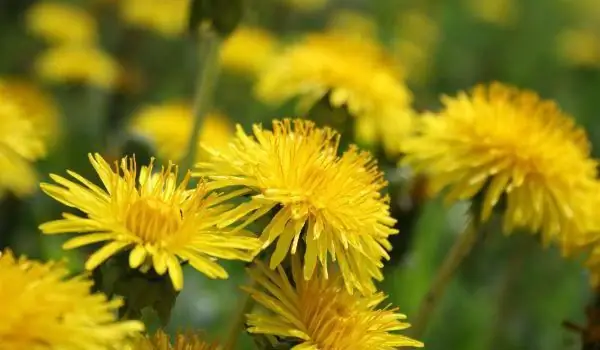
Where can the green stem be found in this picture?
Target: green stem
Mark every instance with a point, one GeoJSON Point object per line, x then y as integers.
{"type": "Point", "coordinates": [459, 251]}
{"type": "Point", "coordinates": [208, 75]}
{"type": "Point", "coordinates": [239, 323]}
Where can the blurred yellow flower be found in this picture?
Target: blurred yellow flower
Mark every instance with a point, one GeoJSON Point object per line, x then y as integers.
{"type": "Point", "coordinates": [78, 64]}
{"type": "Point", "coordinates": [61, 23]}
{"type": "Point", "coordinates": [168, 18]}
{"type": "Point", "coordinates": [20, 145]}
{"type": "Point", "coordinates": [169, 127]}
{"type": "Point", "coordinates": [183, 341]}
{"type": "Point", "coordinates": [416, 38]}
{"type": "Point", "coordinates": [248, 50]}
{"type": "Point", "coordinates": [161, 222]}
{"type": "Point", "coordinates": [332, 202]}
{"type": "Point", "coordinates": [520, 152]}
{"type": "Point", "coordinates": [42, 308]}
{"type": "Point", "coordinates": [358, 76]}
{"type": "Point", "coordinates": [36, 106]}
{"type": "Point", "coordinates": [320, 314]}
{"type": "Point", "coordinates": [498, 12]}
{"type": "Point", "coordinates": [579, 47]}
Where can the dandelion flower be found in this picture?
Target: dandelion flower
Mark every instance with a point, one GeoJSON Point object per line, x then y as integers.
{"type": "Point", "coordinates": [169, 127]}
{"type": "Point", "coordinates": [36, 106]}
{"type": "Point", "coordinates": [42, 308]}
{"type": "Point", "coordinates": [160, 341]}
{"type": "Point", "coordinates": [162, 223]}
{"type": "Point", "coordinates": [168, 18]}
{"type": "Point", "coordinates": [60, 23]}
{"type": "Point", "coordinates": [579, 47]}
{"type": "Point", "coordinates": [321, 314]}
{"type": "Point", "coordinates": [247, 50]}
{"type": "Point", "coordinates": [512, 146]}
{"type": "Point", "coordinates": [332, 202]}
{"type": "Point", "coordinates": [355, 73]}
{"type": "Point", "coordinates": [20, 146]}
{"type": "Point", "coordinates": [78, 64]}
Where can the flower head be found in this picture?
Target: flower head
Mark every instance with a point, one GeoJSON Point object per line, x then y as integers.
{"type": "Point", "coordinates": [357, 75]}
{"type": "Point", "coordinates": [60, 23]}
{"type": "Point", "coordinates": [332, 202]}
{"type": "Point", "coordinates": [161, 222]}
{"type": "Point", "coordinates": [36, 106]}
{"type": "Point", "coordinates": [321, 314]}
{"type": "Point", "coordinates": [44, 309]}
{"type": "Point", "coordinates": [579, 47]}
{"type": "Point", "coordinates": [160, 341]}
{"type": "Point", "coordinates": [169, 127]}
{"type": "Point", "coordinates": [248, 50]}
{"type": "Point", "coordinates": [20, 145]}
{"type": "Point", "coordinates": [78, 64]}
{"type": "Point", "coordinates": [167, 18]}
{"type": "Point", "coordinates": [512, 146]}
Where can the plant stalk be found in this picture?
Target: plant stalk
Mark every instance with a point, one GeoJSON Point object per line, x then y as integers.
{"type": "Point", "coordinates": [459, 251]}
{"type": "Point", "coordinates": [246, 305]}
{"type": "Point", "coordinates": [208, 74]}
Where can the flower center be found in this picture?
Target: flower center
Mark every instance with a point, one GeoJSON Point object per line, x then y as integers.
{"type": "Point", "coordinates": [153, 220]}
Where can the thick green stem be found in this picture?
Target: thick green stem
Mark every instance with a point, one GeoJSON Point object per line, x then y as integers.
{"type": "Point", "coordinates": [208, 73]}
{"type": "Point", "coordinates": [459, 251]}
{"type": "Point", "coordinates": [239, 322]}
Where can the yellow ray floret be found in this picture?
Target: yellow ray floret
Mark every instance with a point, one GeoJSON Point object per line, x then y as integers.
{"type": "Point", "coordinates": [513, 148]}
{"type": "Point", "coordinates": [161, 222]}
{"type": "Point", "coordinates": [321, 315]}
{"type": "Point", "coordinates": [44, 309]}
{"type": "Point", "coordinates": [169, 127]}
{"type": "Point", "coordinates": [355, 72]}
{"type": "Point", "coordinates": [182, 341]}
{"type": "Point", "coordinates": [60, 23]}
{"type": "Point", "coordinates": [332, 202]}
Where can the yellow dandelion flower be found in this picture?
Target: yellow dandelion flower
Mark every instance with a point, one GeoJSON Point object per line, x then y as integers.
{"type": "Point", "coordinates": [161, 222]}
{"type": "Point", "coordinates": [183, 341]}
{"type": "Point", "coordinates": [247, 50]}
{"type": "Point", "coordinates": [44, 309]}
{"type": "Point", "coordinates": [78, 64]}
{"type": "Point", "coordinates": [358, 76]}
{"type": "Point", "coordinates": [579, 47]}
{"type": "Point", "coordinates": [333, 199]}
{"type": "Point", "coordinates": [168, 18]}
{"type": "Point", "coordinates": [169, 127]}
{"type": "Point", "coordinates": [321, 314]}
{"type": "Point", "coordinates": [20, 145]}
{"type": "Point", "coordinates": [512, 146]}
{"type": "Point", "coordinates": [61, 23]}
{"type": "Point", "coordinates": [36, 105]}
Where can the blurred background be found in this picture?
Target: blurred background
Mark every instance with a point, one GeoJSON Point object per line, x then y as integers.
{"type": "Point", "coordinates": [117, 77]}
